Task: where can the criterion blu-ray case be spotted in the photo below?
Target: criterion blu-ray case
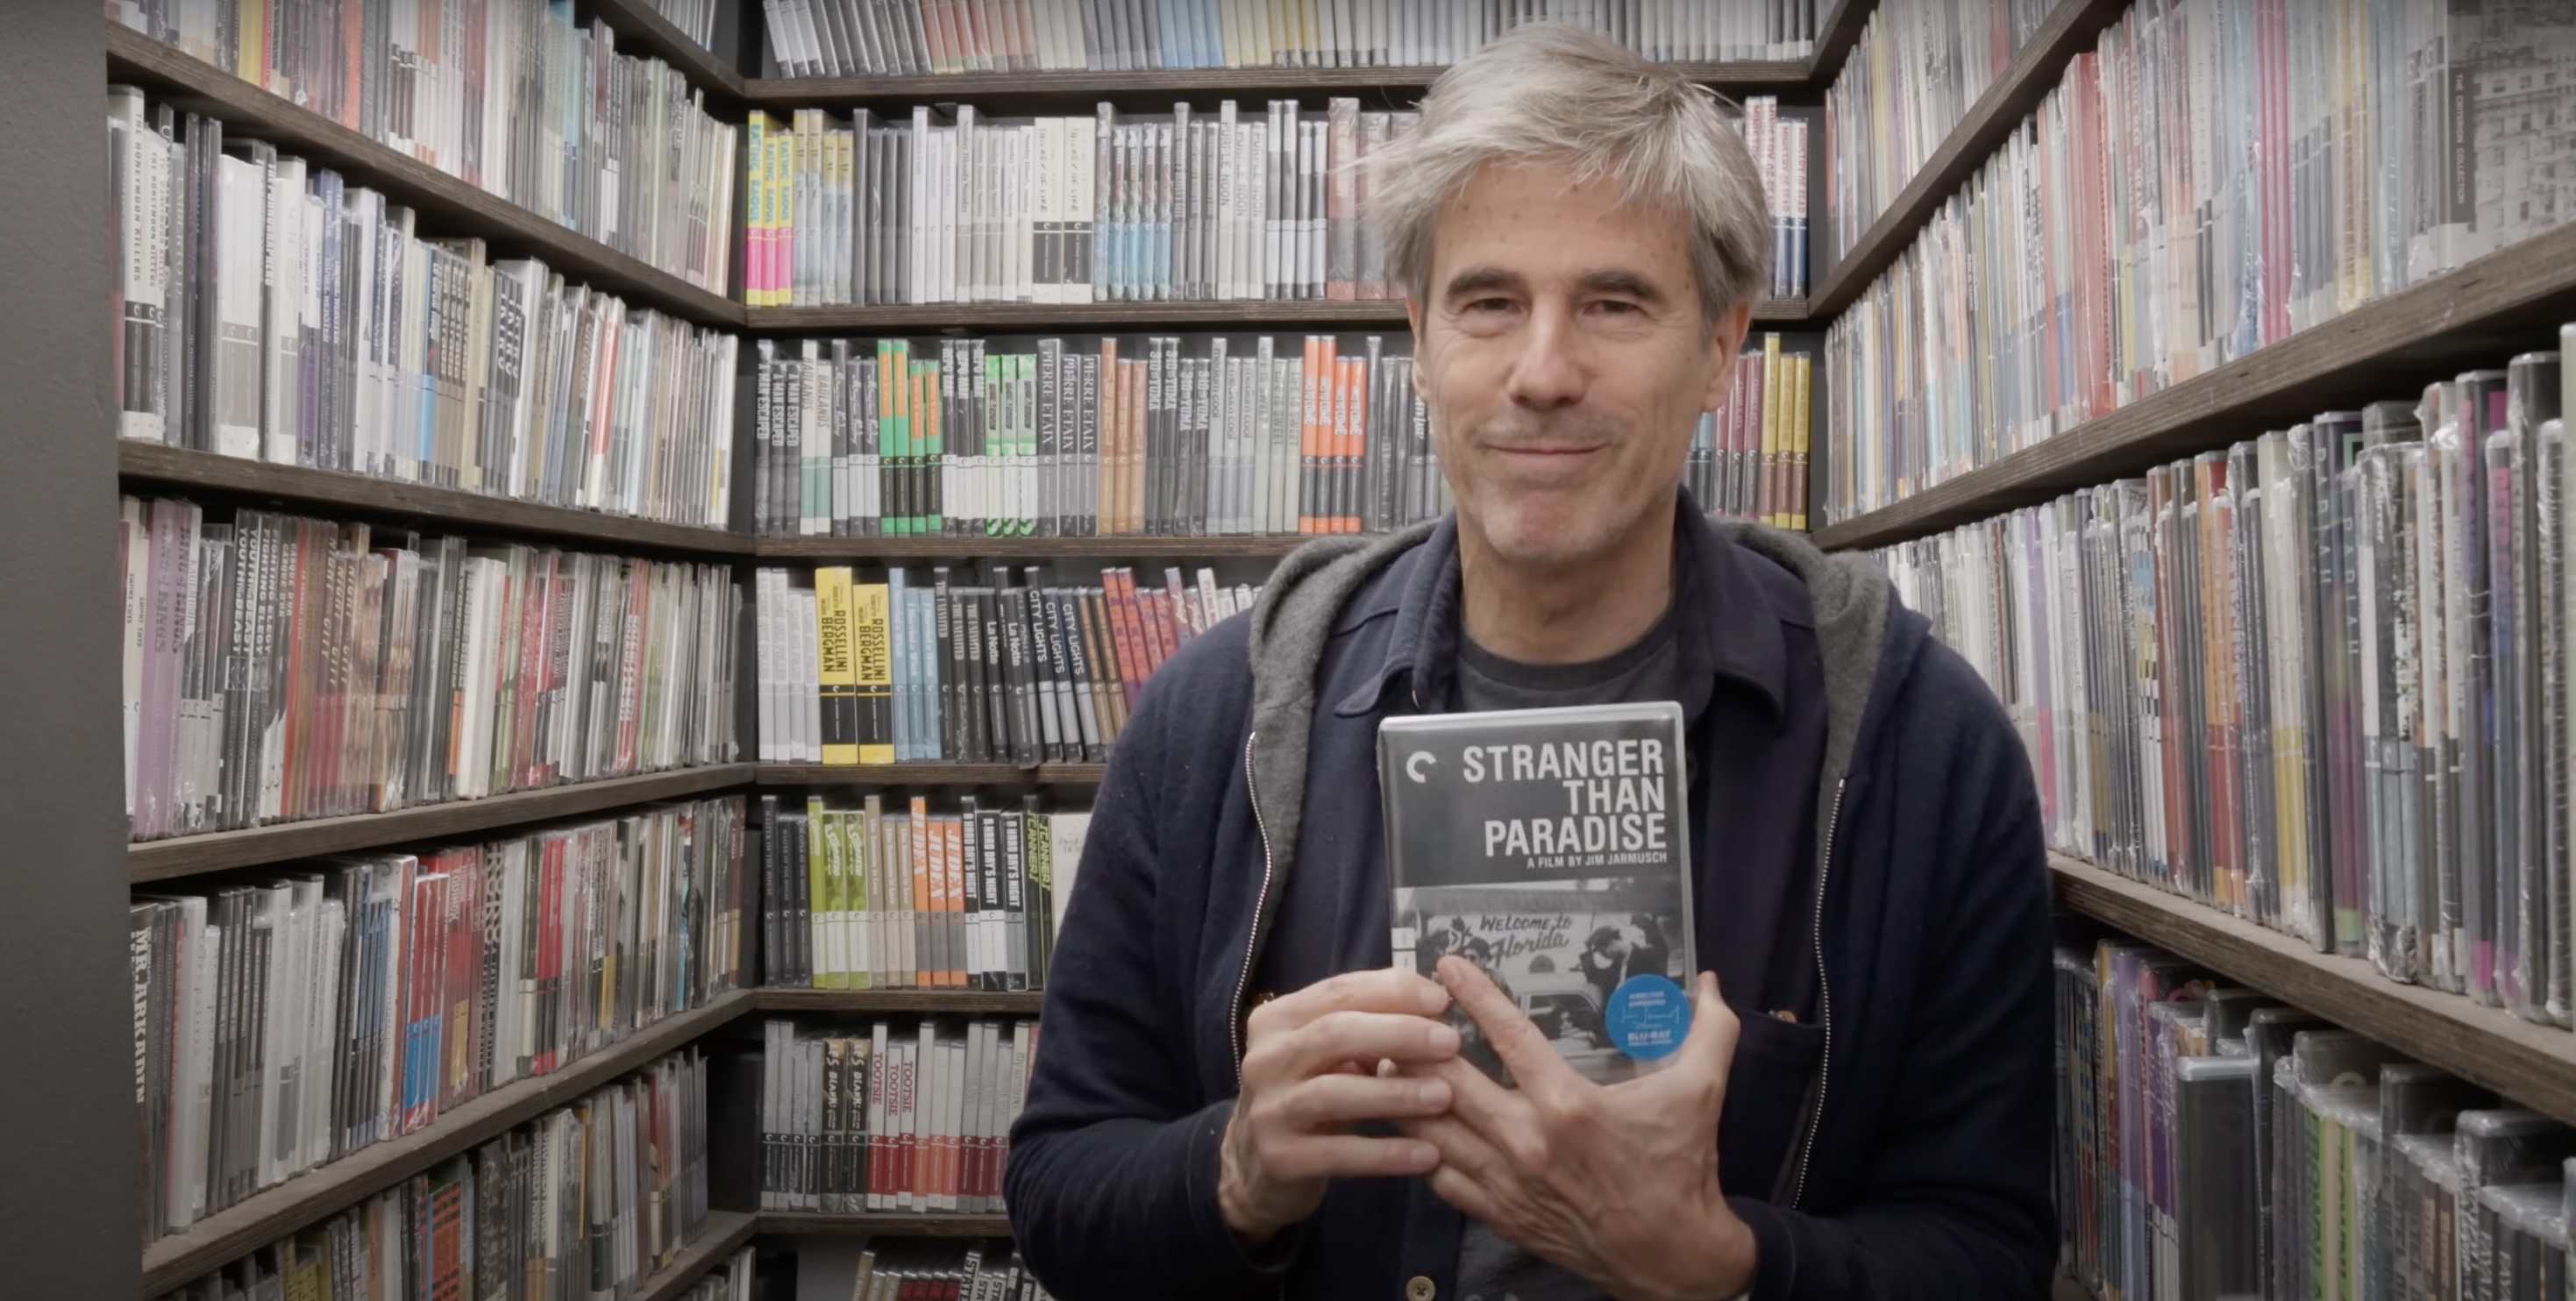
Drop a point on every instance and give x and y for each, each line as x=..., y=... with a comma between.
x=1551, y=848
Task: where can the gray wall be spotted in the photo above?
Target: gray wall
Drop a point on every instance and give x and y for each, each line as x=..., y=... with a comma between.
x=68, y=1164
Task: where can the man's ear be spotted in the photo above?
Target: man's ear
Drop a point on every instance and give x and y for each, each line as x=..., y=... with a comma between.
x=1725, y=340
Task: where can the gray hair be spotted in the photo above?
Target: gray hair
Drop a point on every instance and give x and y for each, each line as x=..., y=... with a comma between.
x=1551, y=93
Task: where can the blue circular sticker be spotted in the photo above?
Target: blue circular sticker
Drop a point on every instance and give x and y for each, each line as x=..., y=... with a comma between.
x=1647, y=1016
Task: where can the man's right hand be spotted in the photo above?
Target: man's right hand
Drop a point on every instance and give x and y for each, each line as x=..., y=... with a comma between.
x=1315, y=1062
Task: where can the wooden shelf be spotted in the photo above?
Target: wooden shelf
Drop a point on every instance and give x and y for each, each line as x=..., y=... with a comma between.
x=895, y=1224
x=928, y=774
x=934, y=1002
x=1042, y=318
x=2532, y=1065
x=2034, y=71
x=339, y=494
x=1835, y=37
x=1266, y=546
x=1784, y=311
x=717, y=1240
x=446, y=203
x=317, y=1194
x=643, y=31
x=1075, y=317
x=2508, y=302
x=1012, y=93
x=161, y=860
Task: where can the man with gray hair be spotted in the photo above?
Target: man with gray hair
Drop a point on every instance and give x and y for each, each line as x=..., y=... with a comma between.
x=1236, y=1095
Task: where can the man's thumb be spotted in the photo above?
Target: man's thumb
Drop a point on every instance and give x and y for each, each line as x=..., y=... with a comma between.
x=1714, y=1027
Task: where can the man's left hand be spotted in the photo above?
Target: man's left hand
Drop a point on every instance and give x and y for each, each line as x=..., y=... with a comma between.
x=1617, y=1183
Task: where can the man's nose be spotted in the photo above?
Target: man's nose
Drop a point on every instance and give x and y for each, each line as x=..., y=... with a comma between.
x=1549, y=371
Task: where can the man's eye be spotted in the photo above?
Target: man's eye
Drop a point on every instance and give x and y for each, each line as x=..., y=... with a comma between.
x=1490, y=305
x=1615, y=306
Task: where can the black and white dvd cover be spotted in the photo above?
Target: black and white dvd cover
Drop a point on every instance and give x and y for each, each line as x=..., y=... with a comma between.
x=1551, y=848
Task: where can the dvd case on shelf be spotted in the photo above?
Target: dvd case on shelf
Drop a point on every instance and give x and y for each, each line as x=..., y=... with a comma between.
x=280, y=667
x=2216, y=1145
x=972, y=664
x=883, y=1117
x=2314, y=680
x=515, y=98
x=892, y=895
x=847, y=38
x=589, y=1199
x=2083, y=267
x=297, y=1020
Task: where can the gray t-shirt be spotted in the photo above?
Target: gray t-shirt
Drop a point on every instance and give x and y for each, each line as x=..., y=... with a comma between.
x=1489, y=1268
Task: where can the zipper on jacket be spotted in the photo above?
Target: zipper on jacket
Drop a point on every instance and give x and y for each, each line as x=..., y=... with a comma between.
x=1824, y=996
x=1234, y=1020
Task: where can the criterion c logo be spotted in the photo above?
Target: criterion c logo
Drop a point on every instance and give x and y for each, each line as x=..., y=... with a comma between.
x=1413, y=764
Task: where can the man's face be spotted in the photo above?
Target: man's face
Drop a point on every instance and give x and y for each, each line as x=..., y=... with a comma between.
x=1562, y=355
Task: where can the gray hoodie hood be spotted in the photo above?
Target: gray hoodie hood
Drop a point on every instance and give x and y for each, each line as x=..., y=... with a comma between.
x=1294, y=620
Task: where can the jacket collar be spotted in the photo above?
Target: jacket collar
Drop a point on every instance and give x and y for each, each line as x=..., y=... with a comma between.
x=1729, y=626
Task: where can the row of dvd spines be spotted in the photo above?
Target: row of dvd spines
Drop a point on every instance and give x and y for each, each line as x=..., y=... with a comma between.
x=696, y=20
x=1171, y=435
x=901, y=1118
x=287, y=1023
x=279, y=667
x=1916, y=70
x=891, y=895
x=892, y=1269
x=532, y=108
x=1189, y=206
x=585, y=1201
x=1105, y=207
x=2212, y=1142
x=847, y=38
x=2318, y=679
x=1748, y=458
x=2199, y=186
x=859, y=671
x=268, y=310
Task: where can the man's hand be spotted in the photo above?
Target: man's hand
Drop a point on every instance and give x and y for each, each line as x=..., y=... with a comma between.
x=1311, y=1068
x=1617, y=1183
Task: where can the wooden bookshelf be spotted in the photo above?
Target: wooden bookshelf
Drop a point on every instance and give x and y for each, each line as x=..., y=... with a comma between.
x=319, y=1193
x=2069, y=29
x=162, y=860
x=341, y=494
x=892, y=1002
x=2508, y=302
x=723, y=1234
x=928, y=774
x=893, y=1224
x=1231, y=314
x=446, y=203
x=1836, y=34
x=1265, y=546
x=2533, y=1065
x=641, y=30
